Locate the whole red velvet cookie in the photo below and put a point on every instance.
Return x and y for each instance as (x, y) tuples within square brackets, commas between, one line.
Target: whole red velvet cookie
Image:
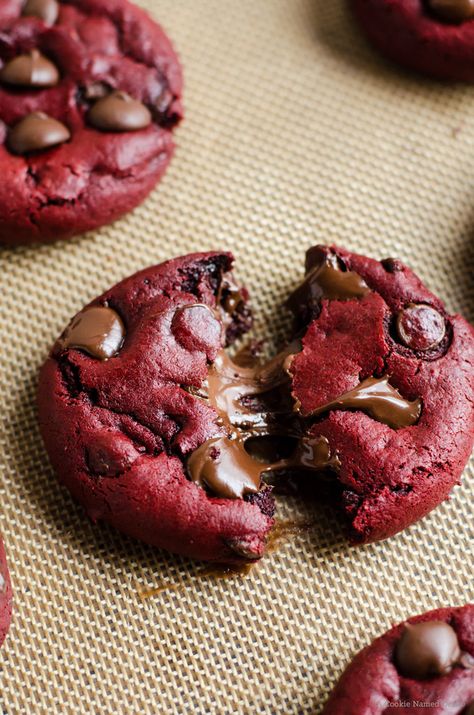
[(128, 427), (423, 665), (386, 376), (435, 37), (5, 595), (90, 91)]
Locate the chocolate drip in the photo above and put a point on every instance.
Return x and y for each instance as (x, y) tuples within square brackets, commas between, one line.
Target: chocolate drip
[(380, 400), (327, 281), (98, 331)]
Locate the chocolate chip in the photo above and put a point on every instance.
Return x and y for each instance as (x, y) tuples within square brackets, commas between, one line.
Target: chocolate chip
[(196, 327), (111, 454), (46, 10), (391, 265), (427, 649), (118, 112), (30, 70), (454, 11), (420, 327), (35, 132), (96, 90), (98, 331)]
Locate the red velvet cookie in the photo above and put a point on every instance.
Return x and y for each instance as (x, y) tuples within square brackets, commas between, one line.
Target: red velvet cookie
[(90, 91), (435, 37), (423, 665), (386, 376), (5, 595), (121, 412)]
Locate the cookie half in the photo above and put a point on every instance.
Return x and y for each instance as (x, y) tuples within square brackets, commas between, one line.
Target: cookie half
[(434, 37), (90, 91), (123, 411), (5, 595), (386, 376), (424, 664)]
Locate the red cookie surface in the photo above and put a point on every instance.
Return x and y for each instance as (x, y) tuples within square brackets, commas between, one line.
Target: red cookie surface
[(5, 595), (411, 34), (98, 174), (389, 476), (119, 431), (374, 685)]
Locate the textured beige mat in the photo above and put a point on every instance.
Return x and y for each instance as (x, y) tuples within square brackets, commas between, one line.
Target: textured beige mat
[(295, 133)]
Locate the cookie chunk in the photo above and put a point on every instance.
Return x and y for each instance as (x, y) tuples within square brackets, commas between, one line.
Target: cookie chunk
[(425, 663), (386, 376), (133, 419), (434, 37), (90, 92), (5, 595)]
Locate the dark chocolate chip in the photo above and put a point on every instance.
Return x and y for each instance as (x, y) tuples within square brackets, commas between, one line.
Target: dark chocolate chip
[(35, 132), (46, 10), (118, 112), (98, 331), (454, 11), (427, 649), (391, 265), (30, 70), (420, 327)]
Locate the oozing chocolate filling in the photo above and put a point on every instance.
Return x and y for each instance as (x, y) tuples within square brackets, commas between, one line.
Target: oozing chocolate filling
[(257, 412)]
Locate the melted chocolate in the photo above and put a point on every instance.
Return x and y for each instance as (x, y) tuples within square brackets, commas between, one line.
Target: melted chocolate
[(46, 10), (380, 400), (30, 70), (98, 331), (118, 112), (427, 649), (327, 281), (36, 132), (453, 11)]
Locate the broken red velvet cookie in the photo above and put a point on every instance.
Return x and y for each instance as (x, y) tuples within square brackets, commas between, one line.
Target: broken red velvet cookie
[(424, 664), (434, 37), (90, 91), (155, 429), (5, 595)]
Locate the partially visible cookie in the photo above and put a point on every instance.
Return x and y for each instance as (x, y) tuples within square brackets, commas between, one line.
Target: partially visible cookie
[(386, 376), (90, 91), (5, 595), (423, 665), (434, 37)]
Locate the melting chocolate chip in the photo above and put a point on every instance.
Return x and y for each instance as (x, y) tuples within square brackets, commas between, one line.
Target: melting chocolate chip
[(380, 400), (118, 112), (46, 10), (36, 132), (326, 280), (427, 649), (99, 331), (420, 327), (225, 468), (453, 11), (30, 70)]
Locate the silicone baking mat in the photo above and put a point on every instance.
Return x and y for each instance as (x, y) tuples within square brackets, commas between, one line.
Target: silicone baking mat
[(296, 133)]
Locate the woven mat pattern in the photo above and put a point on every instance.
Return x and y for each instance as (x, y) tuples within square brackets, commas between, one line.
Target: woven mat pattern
[(296, 133)]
